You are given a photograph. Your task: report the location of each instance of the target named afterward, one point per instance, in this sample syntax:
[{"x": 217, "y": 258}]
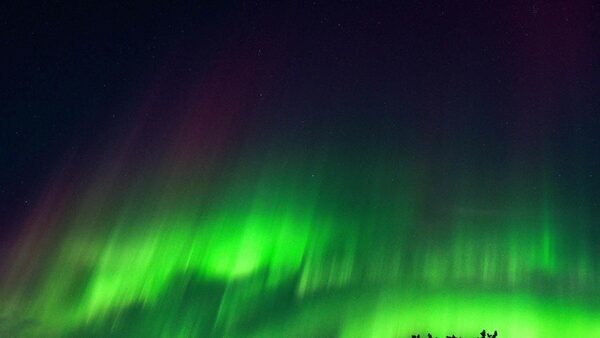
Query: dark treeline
[{"x": 483, "y": 334}]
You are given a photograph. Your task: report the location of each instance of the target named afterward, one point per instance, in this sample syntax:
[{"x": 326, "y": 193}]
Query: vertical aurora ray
[
  {"x": 303, "y": 243},
  {"x": 277, "y": 249}
]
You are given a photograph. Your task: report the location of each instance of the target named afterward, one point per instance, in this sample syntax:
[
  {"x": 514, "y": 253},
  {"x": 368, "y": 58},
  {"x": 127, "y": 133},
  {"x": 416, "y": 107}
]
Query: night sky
[{"x": 300, "y": 169}]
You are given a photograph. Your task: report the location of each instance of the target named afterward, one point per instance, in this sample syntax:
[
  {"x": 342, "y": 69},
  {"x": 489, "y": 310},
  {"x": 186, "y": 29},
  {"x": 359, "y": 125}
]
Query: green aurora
[
  {"x": 299, "y": 245},
  {"x": 300, "y": 169}
]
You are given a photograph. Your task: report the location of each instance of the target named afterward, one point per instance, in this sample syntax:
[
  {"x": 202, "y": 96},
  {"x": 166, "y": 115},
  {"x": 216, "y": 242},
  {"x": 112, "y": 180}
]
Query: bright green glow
[
  {"x": 467, "y": 313},
  {"x": 306, "y": 247},
  {"x": 399, "y": 313}
]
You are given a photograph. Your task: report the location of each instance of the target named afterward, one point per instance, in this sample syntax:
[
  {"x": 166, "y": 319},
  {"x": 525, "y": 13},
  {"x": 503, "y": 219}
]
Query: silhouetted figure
[
  {"x": 429, "y": 335},
  {"x": 482, "y": 334}
]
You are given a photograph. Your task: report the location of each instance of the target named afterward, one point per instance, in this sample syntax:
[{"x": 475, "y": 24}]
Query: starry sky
[{"x": 322, "y": 168}]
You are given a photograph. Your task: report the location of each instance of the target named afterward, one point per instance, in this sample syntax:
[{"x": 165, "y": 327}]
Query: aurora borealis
[{"x": 306, "y": 170}]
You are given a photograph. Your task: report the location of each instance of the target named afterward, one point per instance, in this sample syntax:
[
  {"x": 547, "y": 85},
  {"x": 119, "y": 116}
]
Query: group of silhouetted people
[{"x": 483, "y": 334}]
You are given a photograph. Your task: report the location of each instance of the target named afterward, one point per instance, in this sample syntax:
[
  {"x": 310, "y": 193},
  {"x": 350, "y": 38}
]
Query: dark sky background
[{"x": 481, "y": 87}]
